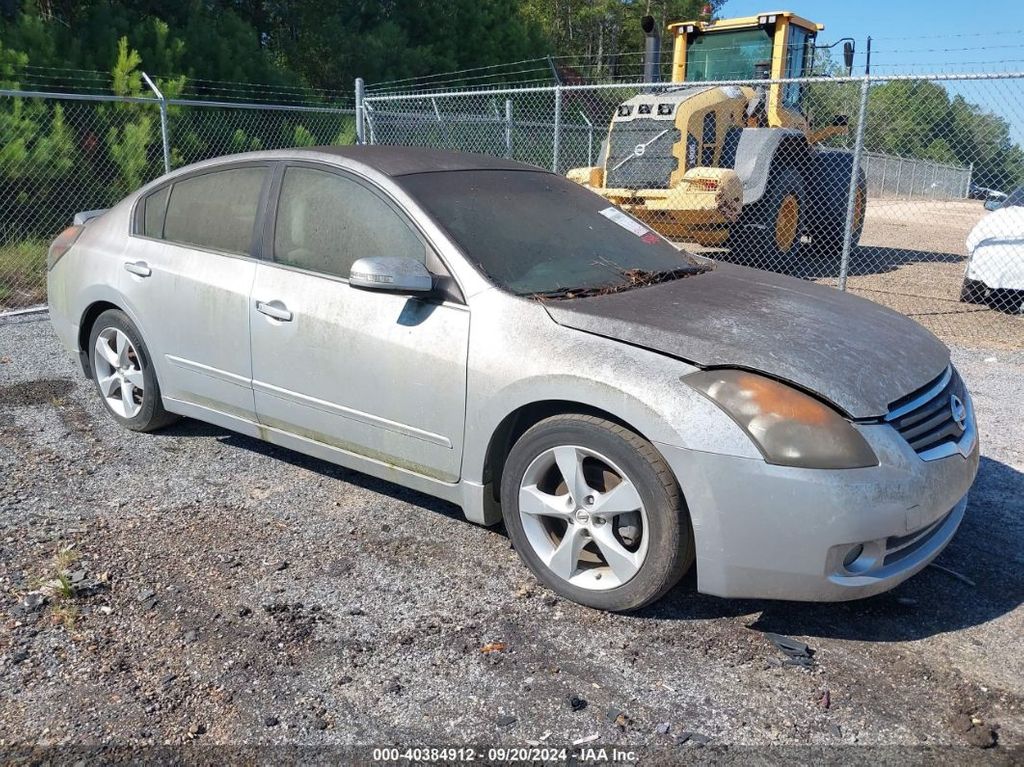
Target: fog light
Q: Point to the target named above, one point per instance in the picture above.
(853, 555)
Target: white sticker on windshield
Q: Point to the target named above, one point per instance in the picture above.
(620, 218)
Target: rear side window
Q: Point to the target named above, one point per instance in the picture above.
(156, 207)
(215, 210)
(326, 221)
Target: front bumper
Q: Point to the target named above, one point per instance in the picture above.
(997, 267)
(776, 532)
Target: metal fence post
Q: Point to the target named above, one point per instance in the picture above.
(164, 136)
(858, 150)
(556, 141)
(508, 128)
(590, 139)
(360, 95)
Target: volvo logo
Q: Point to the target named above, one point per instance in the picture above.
(959, 411)
(639, 150)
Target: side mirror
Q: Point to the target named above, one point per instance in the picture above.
(392, 274)
(993, 203)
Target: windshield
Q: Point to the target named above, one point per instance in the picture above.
(538, 233)
(745, 54)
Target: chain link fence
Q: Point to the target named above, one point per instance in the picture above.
(894, 199)
(64, 153)
(930, 223)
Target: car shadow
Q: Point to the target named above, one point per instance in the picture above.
(986, 550)
(188, 427)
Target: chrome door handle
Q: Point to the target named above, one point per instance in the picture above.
(278, 312)
(138, 268)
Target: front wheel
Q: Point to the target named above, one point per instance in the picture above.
(123, 374)
(595, 513)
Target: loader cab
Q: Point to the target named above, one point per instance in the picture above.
(776, 45)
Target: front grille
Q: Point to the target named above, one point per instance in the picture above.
(925, 418)
(650, 170)
(898, 547)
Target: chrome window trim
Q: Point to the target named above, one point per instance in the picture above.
(344, 281)
(211, 251)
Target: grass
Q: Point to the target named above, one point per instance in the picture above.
(56, 584)
(22, 273)
(64, 614)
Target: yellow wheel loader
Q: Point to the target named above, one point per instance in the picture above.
(731, 165)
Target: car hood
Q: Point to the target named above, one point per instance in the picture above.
(1003, 226)
(849, 351)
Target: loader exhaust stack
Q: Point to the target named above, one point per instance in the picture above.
(652, 50)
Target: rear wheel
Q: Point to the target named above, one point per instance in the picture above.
(768, 232)
(123, 375)
(595, 513)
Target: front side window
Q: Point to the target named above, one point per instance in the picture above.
(326, 221)
(215, 210)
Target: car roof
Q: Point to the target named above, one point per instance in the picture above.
(405, 161)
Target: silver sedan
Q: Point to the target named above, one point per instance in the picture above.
(497, 336)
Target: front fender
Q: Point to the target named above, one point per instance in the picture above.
(532, 360)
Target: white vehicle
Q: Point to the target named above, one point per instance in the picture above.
(995, 257)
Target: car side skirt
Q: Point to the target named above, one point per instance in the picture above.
(470, 496)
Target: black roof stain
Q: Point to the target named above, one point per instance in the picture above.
(405, 161)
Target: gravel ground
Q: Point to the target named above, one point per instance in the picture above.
(220, 590)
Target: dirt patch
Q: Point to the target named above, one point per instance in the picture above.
(42, 391)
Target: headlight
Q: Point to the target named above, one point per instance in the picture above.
(789, 427)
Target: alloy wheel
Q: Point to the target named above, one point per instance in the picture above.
(583, 517)
(118, 372)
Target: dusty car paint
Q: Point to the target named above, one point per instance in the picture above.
(523, 355)
(833, 344)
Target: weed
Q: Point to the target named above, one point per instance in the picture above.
(64, 614)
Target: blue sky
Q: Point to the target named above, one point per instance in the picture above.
(938, 36)
(917, 35)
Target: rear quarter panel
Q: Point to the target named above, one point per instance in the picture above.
(88, 273)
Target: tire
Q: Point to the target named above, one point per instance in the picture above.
(1009, 301)
(972, 291)
(768, 232)
(120, 369)
(645, 528)
(828, 242)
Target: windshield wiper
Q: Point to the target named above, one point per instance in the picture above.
(635, 278)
